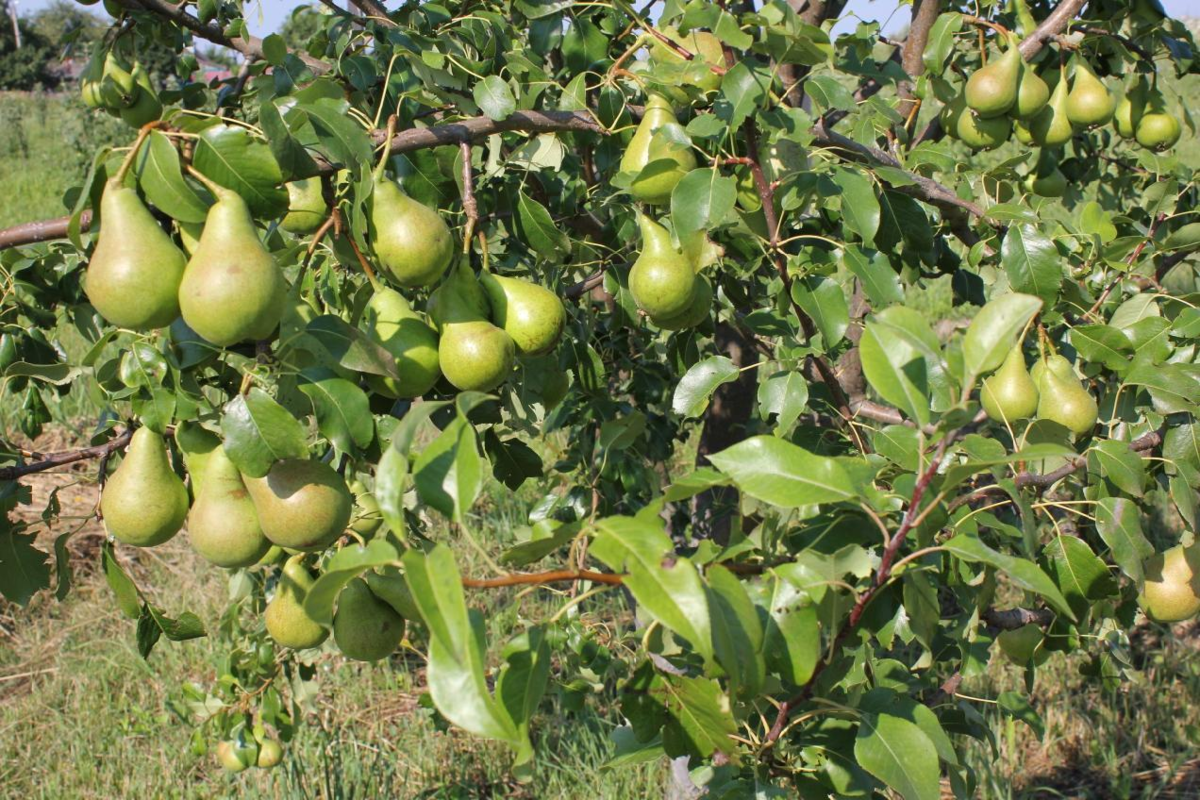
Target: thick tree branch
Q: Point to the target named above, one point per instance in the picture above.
(1054, 23)
(924, 14)
(1013, 618)
(534, 578)
(68, 457)
(374, 10)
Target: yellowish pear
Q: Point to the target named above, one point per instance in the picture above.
(302, 504)
(223, 525)
(659, 141)
(1171, 592)
(287, 621)
(144, 502)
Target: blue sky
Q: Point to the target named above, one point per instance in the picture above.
(265, 16)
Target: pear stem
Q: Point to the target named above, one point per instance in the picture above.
(362, 260)
(387, 147)
(483, 251)
(468, 195)
(970, 19)
(133, 151)
(217, 189)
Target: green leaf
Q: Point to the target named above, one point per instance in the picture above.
(701, 200)
(122, 587)
(449, 472)
(940, 43)
(494, 98)
(994, 331)
(24, 569)
(784, 474)
(792, 640)
(877, 275)
(522, 680)
(699, 382)
(666, 585)
(345, 565)
(342, 409)
(737, 633)
(230, 156)
(340, 135)
(828, 93)
(1119, 524)
(351, 348)
(258, 432)
(161, 178)
(538, 230)
(702, 713)
(1115, 461)
(860, 206)
(1103, 344)
(1032, 262)
(895, 366)
(742, 89)
(784, 394)
(825, 303)
(293, 159)
(455, 667)
(1021, 572)
(900, 754)
(1080, 575)
(1017, 706)
(391, 482)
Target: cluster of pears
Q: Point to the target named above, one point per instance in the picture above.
(1143, 115)
(238, 755)
(230, 290)
(1013, 393)
(665, 283)
(1171, 591)
(123, 89)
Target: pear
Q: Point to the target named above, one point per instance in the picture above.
(948, 116)
(197, 445)
(474, 354)
(390, 587)
(1032, 94)
(1158, 129)
(393, 323)
(983, 134)
(223, 526)
(1009, 394)
(270, 753)
(532, 315)
(1062, 399)
(365, 627)
(232, 289)
(702, 44)
(134, 274)
(1054, 363)
(118, 88)
(287, 621)
(1047, 179)
(411, 240)
(1022, 132)
(234, 756)
(367, 518)
(307, 208)
(1089, 104)
(90, 78)
(659, 140)
(1130, 108)
(662, 280)
(1024, 644)
(696, 312)
(144, 502)
(992, 89)
(1171, 592)
(1051, 127)
(301, 504)
(147, 107)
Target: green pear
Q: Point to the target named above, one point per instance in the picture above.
(1171, 592)
(270, 753)
(1063, 399)
(90, 78)
(307, 209)
(366, 517)
(197, 445)
(663, 279)
(1009, 394)
(555, 385)
(117, 87)
(704, 45)
(1130, 108)
(234, 756)
(659, 140)
(992, 89)
(390, 587)
(135, 271)
(287, 621)
(532, 315)
(1022, 132)
(1051, 127)
(1032, 94)
(1089, 103)
(232, 289)
(1054, 363)
(411, 240)
(365, 627)
(983, 134)
(223, 525)
(1158, 129)
(301, 504)
(392, 322)
(696, 312)
(144, 502)
(948, 116)
(1047, 179)
(474, 354)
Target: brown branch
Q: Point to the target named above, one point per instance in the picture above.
(374, 10)
(535, 578)
(1013, 618)
(41, 231)
(1054, 23)
(470, 207)
(68, 457)
(924, 14)
(1130, 261)
(577, 290)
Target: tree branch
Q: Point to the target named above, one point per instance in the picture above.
(1013, 618)
(1054, 23)
(374, 10)
(924, 14)
(68, 457)
(535, 578)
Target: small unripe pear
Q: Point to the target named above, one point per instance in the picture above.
(983, 134)
(1171, 592)
(694, 314)
(532, 315)
(1089, 103)
(287, 621)
(270, 753)
(1063, 400)
(662, 279)
(392, 322)
(307, 208)
(1032, 94)
(659, 138)
(1158, 129)
(1009, 395)
(234, 757)
(365, 627)
(1051, 126)
(411, 240)
(302, 504)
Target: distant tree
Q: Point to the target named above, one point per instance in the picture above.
(28, 67)
(70, 28)
(304, 23)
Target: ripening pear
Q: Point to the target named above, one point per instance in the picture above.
(1051, 127)
(1063, 399)
(992, 89)
(1054, 363)
(270, 753)
(696, 312)
(144, 502)
(1046, 180)
(134, 275)
(1089, 103)
(233, 289)
(1032, 94)
(474, 354)
(532, 315)
(365, 627)
(411, 240)
(90, 78)
(366, 516)
(117, 87)
(392, 322)
(659, 138)
(1021, 131)
(1130, 108)
(287, 621)
(983, 134)
(1158, 129)
(1171, 592)
(223, 525)
(1009, 394)
(301, 504)
(702, 44)
(147, 107)
(663, 279)
(307, 209)
(234, 756)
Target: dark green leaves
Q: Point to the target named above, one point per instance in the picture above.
(258, 432)
(494, 98)
(701, 200)
(899, 753)
(784, 474)
(994, 331)
(449, 472)
(1119, 525)
(1024, 574)
(23, 568)
(342, 409)
(1032, 262)
(161, 178)
(232, 157)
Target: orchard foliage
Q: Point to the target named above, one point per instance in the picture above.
(765, 245)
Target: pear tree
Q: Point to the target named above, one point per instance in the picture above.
(826, 366)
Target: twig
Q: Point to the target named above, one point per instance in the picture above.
(535, 578)
(1130, 261)
(468, 194)
(68, 457)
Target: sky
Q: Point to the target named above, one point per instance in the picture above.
(264, 17)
